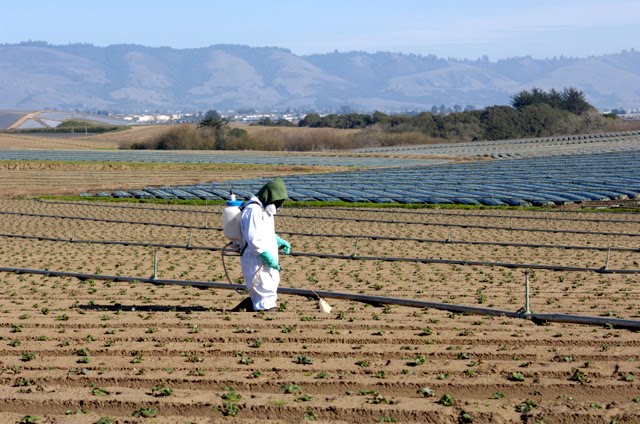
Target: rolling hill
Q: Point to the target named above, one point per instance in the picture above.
(36, 75)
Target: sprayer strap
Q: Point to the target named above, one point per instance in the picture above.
(244, 243)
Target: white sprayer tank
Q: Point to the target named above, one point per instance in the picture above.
(231, 221)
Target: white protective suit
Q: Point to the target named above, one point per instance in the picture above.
(258, 231)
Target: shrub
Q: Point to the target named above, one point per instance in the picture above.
(179, 137)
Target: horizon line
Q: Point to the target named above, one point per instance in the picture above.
(481, 58)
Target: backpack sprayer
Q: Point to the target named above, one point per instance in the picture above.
(231, 222)
(232, 230)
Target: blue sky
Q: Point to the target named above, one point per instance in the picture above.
(446, 28)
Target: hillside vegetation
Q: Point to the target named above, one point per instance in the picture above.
(532, 114)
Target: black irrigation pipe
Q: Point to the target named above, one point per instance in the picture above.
(327, 235)
(374, 210)
(472, 243)
(479, 215)
(160, 209)
(379, 221)
(601, 270)
(114, 242)
(473, 226)
(537, 318)
(111, 221)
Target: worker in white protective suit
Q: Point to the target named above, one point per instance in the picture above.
(259, 260)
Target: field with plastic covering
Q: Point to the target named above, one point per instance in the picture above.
(537, 181)
(77, 350)
(539, 172)
(525, 148)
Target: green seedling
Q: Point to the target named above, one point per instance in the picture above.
(426, 391)
(579, 376)
(302, 360)
(24, 382)
(290, 388)
(98, 391)
(245, 360)
(28, 356)
(145, 412)
(516, 376)
(82, 352)
(378, 399)
(161, 391)
(447, 400)
(426, 331)
(309, 416)
(525, 406)
(465, 417)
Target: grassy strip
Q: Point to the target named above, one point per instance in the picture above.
(290, 203)
(320, 204)
(611, 210)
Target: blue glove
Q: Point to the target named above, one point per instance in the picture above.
(284, 245)
(269, 260)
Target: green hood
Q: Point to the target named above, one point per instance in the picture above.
(272, 191)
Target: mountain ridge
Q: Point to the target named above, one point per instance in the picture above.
(131, 77)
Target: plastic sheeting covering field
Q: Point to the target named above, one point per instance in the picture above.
(536, 181)
(76, 351)
(524, 148)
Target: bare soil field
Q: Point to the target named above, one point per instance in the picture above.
(112, 140)
(33, 178)
(74, 351)
(10, 141)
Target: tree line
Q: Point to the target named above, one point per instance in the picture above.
(534, 113)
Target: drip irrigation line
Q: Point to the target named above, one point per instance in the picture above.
(134, 207)
(375, 210)
(369, 237)
(114, 242)
(537, 318)
(601, 270)
(473, 226)
(479, 215)
(378, 221)
(110, 221)
(473, 243)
